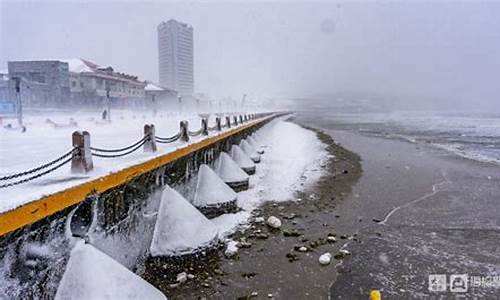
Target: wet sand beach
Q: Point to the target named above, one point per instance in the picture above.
(404, 211)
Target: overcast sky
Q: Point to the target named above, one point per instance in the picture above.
(445, 50)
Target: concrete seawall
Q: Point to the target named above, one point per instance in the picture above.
(118, 210)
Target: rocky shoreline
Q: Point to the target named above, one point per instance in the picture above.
(283, 262)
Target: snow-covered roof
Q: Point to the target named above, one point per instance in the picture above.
(153, 87)
(211, 190)
(91, 274)
(78, 65)
(180, 228)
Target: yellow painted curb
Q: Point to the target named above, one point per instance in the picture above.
(48, 205)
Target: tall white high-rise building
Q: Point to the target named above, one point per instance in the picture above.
(175, 56)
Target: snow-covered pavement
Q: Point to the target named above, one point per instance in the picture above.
(292, 161)
(43, 142)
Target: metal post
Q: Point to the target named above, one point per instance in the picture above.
(82, 160)
(235, 120)
(19, 106)
(218, 123)
(241, 119)
(184, 131)
(204, 126)
(228, 122)
(149, 134)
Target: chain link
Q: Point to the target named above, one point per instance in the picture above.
(37, 175)
(34, 170)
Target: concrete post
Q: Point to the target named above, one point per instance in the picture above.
(218, 123)
(228, 121)
(149, 134)
(204, 126)
(82, 160)
(184, 131)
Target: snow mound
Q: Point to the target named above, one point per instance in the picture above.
(250, 151)
(180, 228)
(228, 169)
(242, 160)
(255, 144)
(91, 274)
(211, 190)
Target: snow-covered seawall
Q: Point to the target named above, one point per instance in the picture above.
(294, 159)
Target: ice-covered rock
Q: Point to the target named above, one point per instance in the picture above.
(231, 249)
(182, 277)
(259, 220)
(250, 151)
(242, 159)
(273, 222)
(180, 228)
(211, 190)
(91, 274)
(229, 171)
(325, 258)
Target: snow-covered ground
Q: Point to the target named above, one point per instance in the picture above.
(43, 142)
(293, 160)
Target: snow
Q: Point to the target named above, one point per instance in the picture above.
(77, 65)
(292, 162)
(43, 142)
(91, 274)
(211, 190)
(255, 144)
(228, 169)
(250, 151)
(231, 248)
(241, 158)
(153, 87)
(180, 228)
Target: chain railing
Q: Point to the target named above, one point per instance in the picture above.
(81, 154)
(46, 168)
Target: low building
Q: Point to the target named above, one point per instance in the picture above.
(74, 83)
(44, 83)
(160, 97)
(91, 84)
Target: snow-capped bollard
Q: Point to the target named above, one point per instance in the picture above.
(243, 161)
(183, 127)
(91, 274)
(235, 120)
(180, 228)
(250, 151)
(213, 197)
(218, 124)
(255, 145)
(228, 122)
(82, 159)
(149, 135)
(229, 171)
(204, 126)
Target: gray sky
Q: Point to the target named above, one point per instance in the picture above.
(443, 50)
